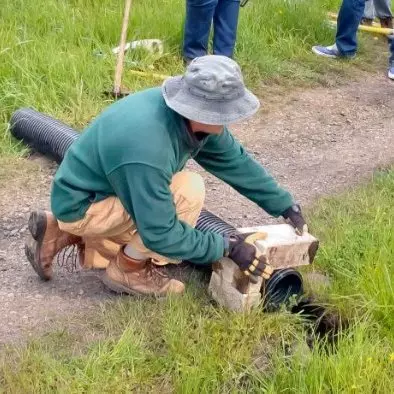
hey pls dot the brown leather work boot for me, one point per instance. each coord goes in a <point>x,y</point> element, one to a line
<point>386,23</point>
<point>45,242</point>
<point>139,277</point>
<point>366,22</point>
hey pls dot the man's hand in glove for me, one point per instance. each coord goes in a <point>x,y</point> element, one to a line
<point>243,252</point>
<point>293,216</point>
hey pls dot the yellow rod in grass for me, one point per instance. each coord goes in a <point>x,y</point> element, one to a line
<point>149,74</point>
<point>333,15</point>
<point>378,30</point>
<point>373,29</point>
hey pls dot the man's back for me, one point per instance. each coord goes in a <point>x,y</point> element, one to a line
<point>138,129</point>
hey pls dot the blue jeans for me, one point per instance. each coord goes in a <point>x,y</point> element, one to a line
<point>391,59</point>
<point>199,17</point>
<point>349,18</point>
<point>380,8</point>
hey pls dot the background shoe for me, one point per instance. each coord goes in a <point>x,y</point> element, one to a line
<point>386,23</point>
<point>366,22</point>
<point>125,275</point>
<point>391,72</point>
<point>330,51</point>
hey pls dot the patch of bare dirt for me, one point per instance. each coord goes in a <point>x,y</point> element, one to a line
<point>316,142</point>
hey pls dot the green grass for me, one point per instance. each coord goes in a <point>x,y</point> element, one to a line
<point>56,56</point>
<point>188,345</point>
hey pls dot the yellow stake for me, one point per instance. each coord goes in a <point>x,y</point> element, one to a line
<point>373,29</point>
<point>149,75</point>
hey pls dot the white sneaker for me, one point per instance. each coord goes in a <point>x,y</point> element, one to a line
<point>330,51</point>
<point>391,72</point>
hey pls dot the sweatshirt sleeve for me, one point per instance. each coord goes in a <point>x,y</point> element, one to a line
<point>145,193</point>
<point>225,158</point>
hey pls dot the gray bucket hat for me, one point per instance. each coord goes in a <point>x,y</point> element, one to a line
<point>211,91</point>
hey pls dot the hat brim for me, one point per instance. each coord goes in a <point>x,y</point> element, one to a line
<point>212,112</point>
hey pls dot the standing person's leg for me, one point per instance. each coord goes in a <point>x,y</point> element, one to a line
<point>199,15</point>
<point>391,58</point>
<point>349,17</point>
<point>383,12</point>
<point>225,23</point>
<point>369,13</point>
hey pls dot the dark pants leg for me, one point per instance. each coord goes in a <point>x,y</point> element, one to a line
<point>382,8</point>
<point>199,15</point>
<point>391,59</point>
<point>349,18</point>
<point>225,22</point>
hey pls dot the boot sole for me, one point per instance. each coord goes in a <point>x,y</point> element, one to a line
<point>120,289</point>
<point>37,226</point>
<point>117,287</point>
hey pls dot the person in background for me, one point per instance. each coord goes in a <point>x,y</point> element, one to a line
<point>349,18</point>
<point>200,15</point>
<point>380,8</point>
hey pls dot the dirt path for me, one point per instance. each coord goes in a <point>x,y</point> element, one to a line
<point>315,142</point>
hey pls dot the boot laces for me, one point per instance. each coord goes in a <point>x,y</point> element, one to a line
<point>155,273</point>
<point>68,258</point>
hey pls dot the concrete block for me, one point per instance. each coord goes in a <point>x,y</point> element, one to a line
<point>232,289</point>
<point>283,248</point>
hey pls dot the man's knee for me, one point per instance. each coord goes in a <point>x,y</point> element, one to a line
<point>189,186</point>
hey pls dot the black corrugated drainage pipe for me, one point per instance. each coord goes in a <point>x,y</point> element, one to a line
<point>52,137</point>
<point>207,221</point>
<point>284,285</point>
<point>43,133</point>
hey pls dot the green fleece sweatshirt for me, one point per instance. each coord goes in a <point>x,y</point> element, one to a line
<point>132,150</point>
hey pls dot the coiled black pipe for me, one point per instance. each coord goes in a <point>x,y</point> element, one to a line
<point>43,133</point>
<point>52,137</point>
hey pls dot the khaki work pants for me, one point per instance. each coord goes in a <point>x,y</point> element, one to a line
<point>107,226</point>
